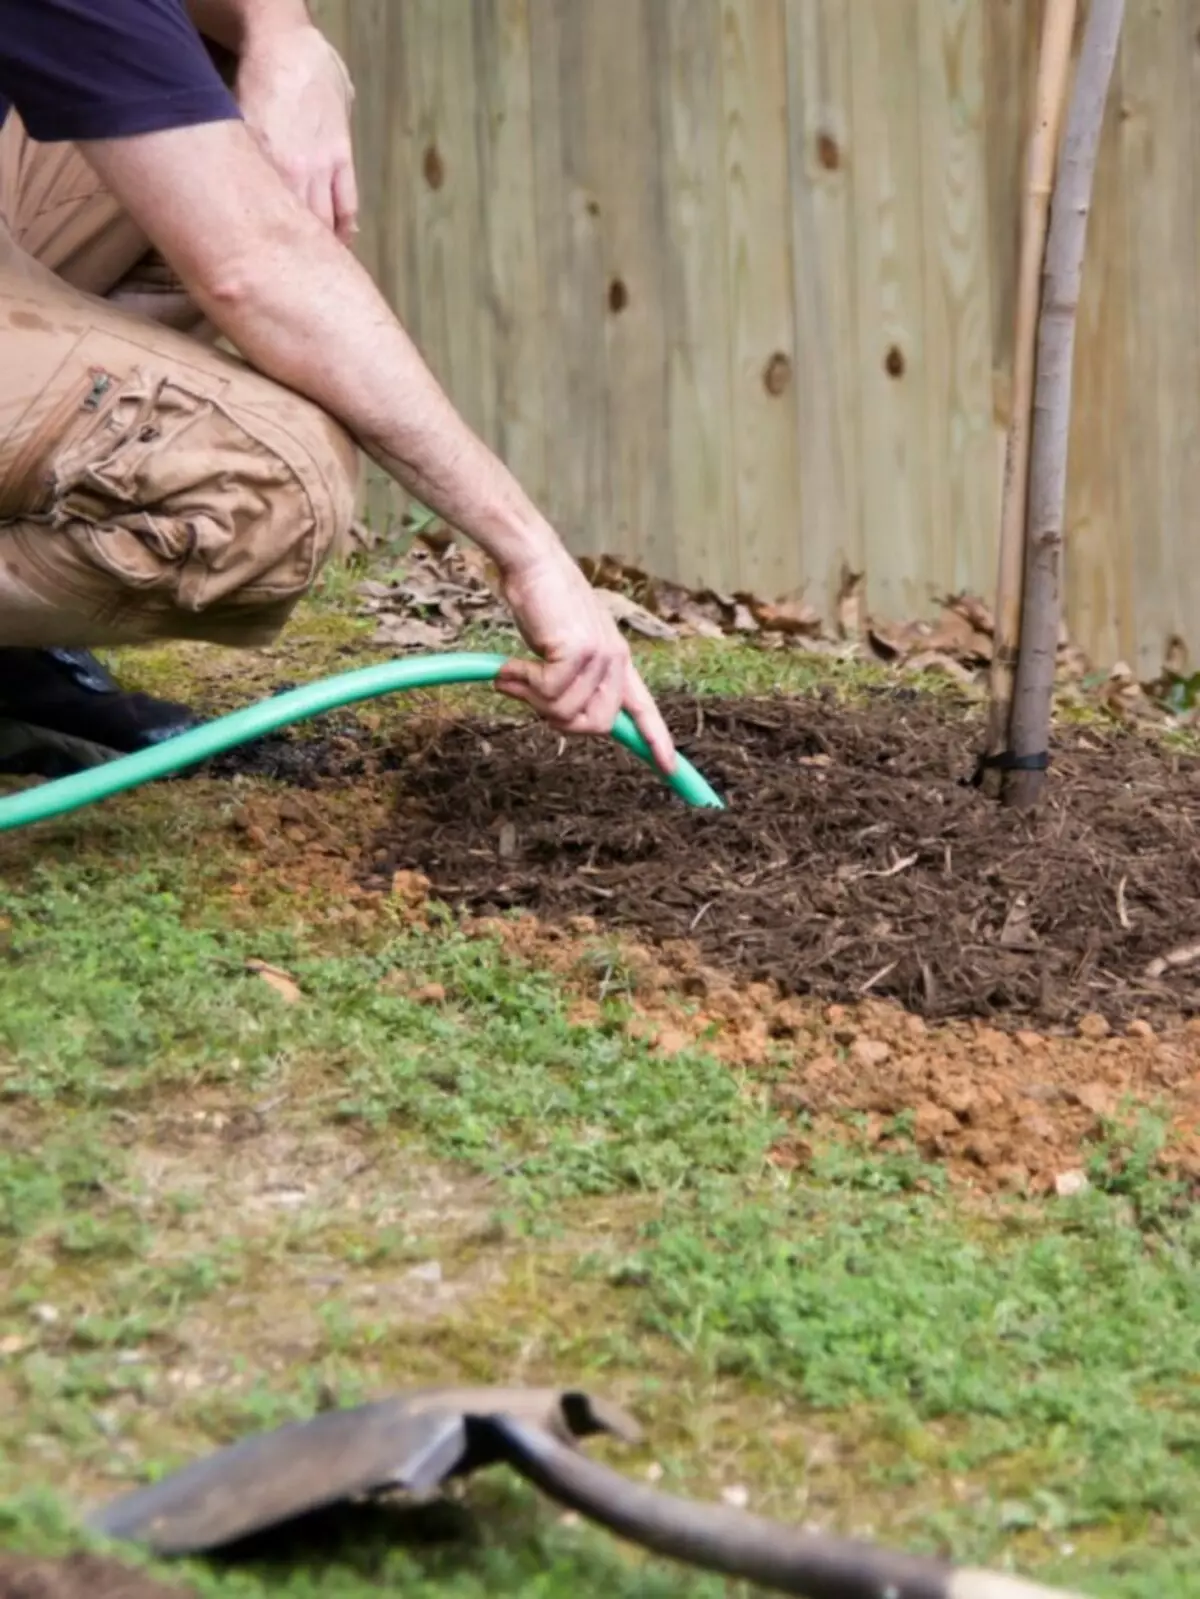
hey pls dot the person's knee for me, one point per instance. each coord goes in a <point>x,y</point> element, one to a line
<point>252,493</point>
<point>186,513</point>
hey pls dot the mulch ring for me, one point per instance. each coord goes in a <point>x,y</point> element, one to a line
<point>853,859</point>
<point>79,1576</point>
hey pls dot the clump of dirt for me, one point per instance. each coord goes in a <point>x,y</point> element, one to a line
<point>1002,1111</point>
<point>80,1576</point>
<point>999,1110</point>
<point>853,859</point>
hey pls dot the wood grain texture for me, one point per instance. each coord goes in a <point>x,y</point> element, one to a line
<point>512,282</point>
<point>1012,29</point>
<point>1161,319</point>
<point>762,321</point>
<point>445,211</point>
<point>962,521</point>
<point>621,139</point>
<point>697,312</point>
<point>889,274</point>
<point>822,155</point>
<point>571,254</point>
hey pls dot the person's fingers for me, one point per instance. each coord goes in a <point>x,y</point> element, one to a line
<point>511,680</point>
<point>345,201</point>
<point>600,711</point>
<point>579,688</point>
<point>647,717</point>
<point>549,686</point>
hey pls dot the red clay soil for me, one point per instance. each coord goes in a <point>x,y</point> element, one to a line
<point>1009,1111</point>
<point>79,1576</point>
<point>853,859</point>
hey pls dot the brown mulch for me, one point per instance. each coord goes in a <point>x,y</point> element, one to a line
<point>853,859</point>
<point>79,1576</point>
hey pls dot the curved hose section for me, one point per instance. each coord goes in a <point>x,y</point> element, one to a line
<point>199,744</point>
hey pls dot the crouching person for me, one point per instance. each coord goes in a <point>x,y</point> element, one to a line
<point>153,486</point>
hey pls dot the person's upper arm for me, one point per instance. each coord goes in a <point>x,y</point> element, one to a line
<point>103,69</point>
<point>209,200</point>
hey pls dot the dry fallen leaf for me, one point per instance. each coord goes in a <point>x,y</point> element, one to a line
<point>937,661</point>
<point>698,619</point>
<point>956,634</point>
<point>975,611</point>
<point>636,617</point>
<point>792,617</point>
<point>284,985</point>
<point>410,633</point>
<point>892,640</point>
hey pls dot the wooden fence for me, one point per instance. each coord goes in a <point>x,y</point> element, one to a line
<point>729,283</point>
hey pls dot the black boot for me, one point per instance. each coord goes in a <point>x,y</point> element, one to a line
<point>60,712</point>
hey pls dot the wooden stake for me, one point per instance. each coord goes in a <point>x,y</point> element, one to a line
<point>1033,701</point>
<point>1054,64</point>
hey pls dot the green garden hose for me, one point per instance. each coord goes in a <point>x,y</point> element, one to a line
<point>66,794</point>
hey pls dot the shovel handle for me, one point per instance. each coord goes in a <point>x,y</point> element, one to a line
<point>735,1543</point>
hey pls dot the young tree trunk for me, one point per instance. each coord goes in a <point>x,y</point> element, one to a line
<point>1041,619</point>
<point>1054,64</point>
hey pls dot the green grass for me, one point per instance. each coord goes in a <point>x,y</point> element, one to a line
<point>216,1206</point>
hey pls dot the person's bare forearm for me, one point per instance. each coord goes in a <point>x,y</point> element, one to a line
<point>299,307</point>
<point>231,22</point>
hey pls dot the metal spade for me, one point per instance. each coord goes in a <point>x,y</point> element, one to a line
<point>413,1441</point>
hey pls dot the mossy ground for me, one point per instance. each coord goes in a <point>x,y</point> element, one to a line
<point>218,1204</point>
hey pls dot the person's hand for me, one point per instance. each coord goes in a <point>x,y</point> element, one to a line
<point>586,673</point>
<point>295,95</point>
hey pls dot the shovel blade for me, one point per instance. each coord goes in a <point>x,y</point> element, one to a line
<point>412,1441</point>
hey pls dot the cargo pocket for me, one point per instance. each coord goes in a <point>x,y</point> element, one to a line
<point>174,493</point>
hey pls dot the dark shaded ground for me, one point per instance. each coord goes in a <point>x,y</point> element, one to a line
<point>80,1576</point>
<point>853,859</point>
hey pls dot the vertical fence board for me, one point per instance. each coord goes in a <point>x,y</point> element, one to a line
<point>823,264</point>
<point>885,77</point>
<point>696,296</point>
<point>961,529</point>
<point>1161,320</point>
<point>445,211</point>
<point>624,162</point>
<point>512,289</point>
<point>764,355</point>
<point>574,357</point>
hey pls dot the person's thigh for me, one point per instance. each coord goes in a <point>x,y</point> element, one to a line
<point>151,486</point>
<point>58,212</point>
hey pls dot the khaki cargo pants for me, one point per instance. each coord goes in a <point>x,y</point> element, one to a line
<point>151,486</point>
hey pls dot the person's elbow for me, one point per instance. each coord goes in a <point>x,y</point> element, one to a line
<point>216,209</point>
<point>243,287</point>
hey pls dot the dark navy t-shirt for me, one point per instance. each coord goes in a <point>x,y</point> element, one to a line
<point>106,69</point>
